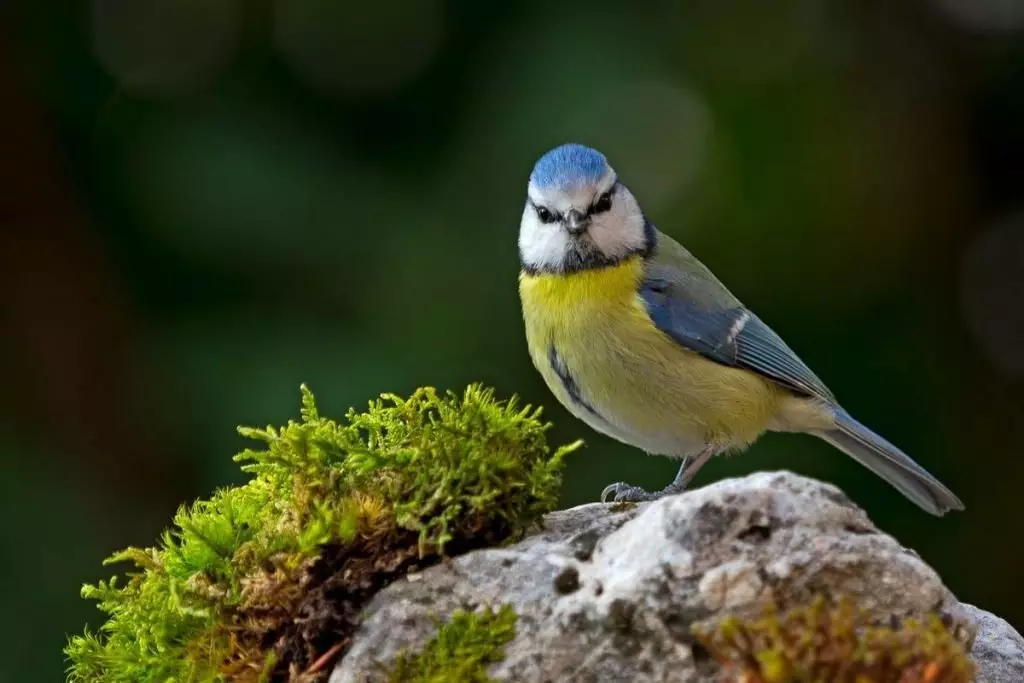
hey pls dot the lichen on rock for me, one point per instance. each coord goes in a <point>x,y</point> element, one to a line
<point>267,580</point>
<point>461,650</point>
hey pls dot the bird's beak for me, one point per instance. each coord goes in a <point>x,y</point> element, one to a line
<point>576,223</point>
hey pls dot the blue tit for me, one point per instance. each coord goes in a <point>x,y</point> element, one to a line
<point>638,339</point>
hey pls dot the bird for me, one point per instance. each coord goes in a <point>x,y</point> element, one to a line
<point>639,340</point>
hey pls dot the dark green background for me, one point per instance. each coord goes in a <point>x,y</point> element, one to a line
<point>204,203</point>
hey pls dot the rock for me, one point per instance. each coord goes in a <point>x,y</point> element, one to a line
<point>609,593</point>
<point>998,649</point>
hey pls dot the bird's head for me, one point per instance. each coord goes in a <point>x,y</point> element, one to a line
<point>578,215</point>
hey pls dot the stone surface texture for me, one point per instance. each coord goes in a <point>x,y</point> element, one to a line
<point>609,593</point>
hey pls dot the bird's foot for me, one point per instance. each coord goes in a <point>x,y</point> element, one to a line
<point>621,492</point>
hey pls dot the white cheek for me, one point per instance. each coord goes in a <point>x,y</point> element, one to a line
<point>541,245</point>
<point>620,231</point>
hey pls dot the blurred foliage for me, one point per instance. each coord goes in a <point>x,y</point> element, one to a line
<point>205,204</point>
<point>334,513</point>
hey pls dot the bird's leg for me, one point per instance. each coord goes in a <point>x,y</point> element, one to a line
<point>688,470</point>
<point>622,492</point>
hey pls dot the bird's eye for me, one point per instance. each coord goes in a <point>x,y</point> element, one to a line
<point>603,203</point>
<point>544,215</point>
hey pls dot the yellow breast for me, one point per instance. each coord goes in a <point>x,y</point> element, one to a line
<point>623,376</point>
<point>587,290</point>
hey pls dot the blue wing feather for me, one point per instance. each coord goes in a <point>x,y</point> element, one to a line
<point>732,336</point>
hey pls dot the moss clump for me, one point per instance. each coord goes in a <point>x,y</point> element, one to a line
<point>835,643</point>
<point>265,581</point>
<point>461,650</point>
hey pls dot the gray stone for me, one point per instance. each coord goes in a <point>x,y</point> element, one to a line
<point>609,593</point>
<point>998,649</point>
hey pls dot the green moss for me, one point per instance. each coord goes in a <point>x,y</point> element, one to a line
<point>334,511</point>
<point>462,649</point>
<point>835,643</point>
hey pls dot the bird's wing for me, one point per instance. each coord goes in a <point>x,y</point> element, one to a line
<point>701,315</point>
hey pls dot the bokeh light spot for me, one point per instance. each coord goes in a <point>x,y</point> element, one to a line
<point>656,133</point>
<point>357,49</point>
<point>219,185</point>
<point>748,43</point>
<point>164,47</point>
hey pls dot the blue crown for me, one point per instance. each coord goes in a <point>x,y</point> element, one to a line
<point>569,165</point>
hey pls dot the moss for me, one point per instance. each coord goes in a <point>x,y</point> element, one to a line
<point>834,643</point>
<point>265,581</point>
<point>461,651</point>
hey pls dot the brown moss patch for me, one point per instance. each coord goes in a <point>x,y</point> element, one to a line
<point>836,643</point>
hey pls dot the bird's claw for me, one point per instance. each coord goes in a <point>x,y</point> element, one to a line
<point>622,492</point>
<point>627,493</point>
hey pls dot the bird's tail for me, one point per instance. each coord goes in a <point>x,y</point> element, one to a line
<point>891,464</point>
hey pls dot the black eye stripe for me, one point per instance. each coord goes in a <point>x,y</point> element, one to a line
<point>601,205</point>
<point>604,202</point>
<point>544,214</point>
